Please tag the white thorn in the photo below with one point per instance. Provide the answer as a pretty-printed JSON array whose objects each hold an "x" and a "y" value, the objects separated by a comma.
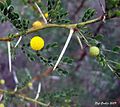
[
  {"x": 15, "y": 77},
  {"x": 17, "y": 33},
  {"x": 104, "y": 18},
  {"x": 40, "y": 11},
  {"x": 78, "y": 38},
  {"x": 9, "y": 56},
  {"x": 54, "y": 77},
  {"x": 103, "y": 8},
  {"x": 20, "y": 38},
  {"x": 84, "y": 38},
  {"x": 38, "y": 91},
  {"x": 110, "y": 67},
  {"x": 1, "y": 97},
  {"x": 64, "y": 48},
  {"x": 16, "y": 81},
  {"x": 15, "y": 90}
]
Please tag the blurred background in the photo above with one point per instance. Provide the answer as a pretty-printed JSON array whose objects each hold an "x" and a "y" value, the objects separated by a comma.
[{"x": 87, "y": 81}]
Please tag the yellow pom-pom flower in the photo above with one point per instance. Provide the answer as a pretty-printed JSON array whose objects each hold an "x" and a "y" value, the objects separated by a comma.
[
  {"x": 2, "y": 81},
  {"x": 30, "y": 84},
  {"x": 94, "y": 51},
  {"x": 2, "y": 105},
  {"x": 37, "y": 24},
  {"x": 37, "y": 43},
  {"x": 46, "y": 15}
]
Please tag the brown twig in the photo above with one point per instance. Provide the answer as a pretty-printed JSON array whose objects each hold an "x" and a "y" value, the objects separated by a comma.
[
  {"x": 78, "y": 9},
  {"x": 98, "y": 28},
  {"x": 44, "y": 74}
]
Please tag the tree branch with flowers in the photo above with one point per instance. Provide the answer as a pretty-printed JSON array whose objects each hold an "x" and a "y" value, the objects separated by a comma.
[{"x": 53, "y": 16}]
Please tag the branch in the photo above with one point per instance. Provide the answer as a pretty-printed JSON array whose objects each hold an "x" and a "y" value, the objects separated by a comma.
[
  {"x": 24, "y": 97},
  {"x": 67, "y": 26}
]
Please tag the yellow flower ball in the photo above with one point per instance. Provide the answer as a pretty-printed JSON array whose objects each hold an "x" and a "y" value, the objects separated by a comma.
[
  {"x": 46, "y": 15},
  {"x": 37, "y": 24},
  {"x": 94, "y": 51},
  {"x": 30, "y": 84},
  {"x": 2, "y": 105},
  {"x": 37, "y": 43},
  {"x": 2, "y": 81}
]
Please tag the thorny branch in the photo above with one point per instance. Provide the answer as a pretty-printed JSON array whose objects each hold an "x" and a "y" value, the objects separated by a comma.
[{"x": 67, "y": 26}]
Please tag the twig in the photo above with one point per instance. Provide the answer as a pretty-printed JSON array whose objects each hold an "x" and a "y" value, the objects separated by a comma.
[
  {"x": 67, "y": 26},
  {"x": 24, "y": 97},
  {"x": 98, "y": 28},
  {"x": 78, "y": 9}
]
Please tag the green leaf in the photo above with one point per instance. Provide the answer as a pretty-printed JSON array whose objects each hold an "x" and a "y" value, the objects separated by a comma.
[
  {"x": 15, "y": 22},
  {"x": 48, "y": 46},
  {"x": 117, "y": 66},
  {"x": 25, "y": 23},
  {"x": 43, "y": 59},
  {"x": 102, "y": 61},
  {"x": 13, "y": 16},
  {"x": 99, "y": 37},
  {"x": 116, "y": 49},
  {"x": 10, "y": 35},
  {"x": 54, "y": 45},
  {"x": 1, "y": 6},
  {"x": 67, "y": 60},
  {"x": 5, "y": 11},
  {"x": 88, "y": 14},
  {"x": 10, "y": 9},
  {"x": 8, "y": 2},
  {"x": 56, "y": 12},
  {"x": 3, "y": 19},
  {"x": 117, "y": 13},
  {"x": 110, "y": 4},
  {"x": 62, "y": 72}
]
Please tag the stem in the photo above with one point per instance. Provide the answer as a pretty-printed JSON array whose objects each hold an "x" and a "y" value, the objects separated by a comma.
[
  {"x": 67, "y": 26},
  {"x": 24, "y": 97}
]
